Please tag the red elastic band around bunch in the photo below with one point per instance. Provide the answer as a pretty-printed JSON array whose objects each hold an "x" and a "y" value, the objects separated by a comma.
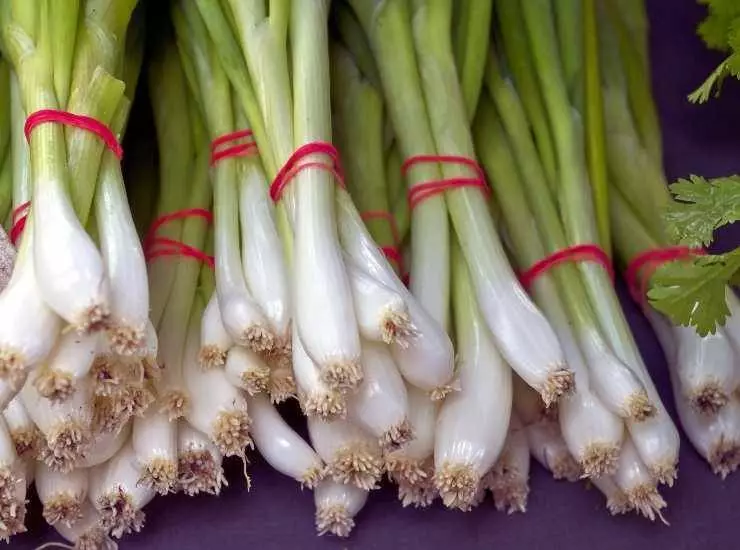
[
  {"x": 18, "y": 220},
  {"x": 160, "y": 247},
  {"x": 294, "y": 165},
  {"x": 641, "y": 267},
  {"x": 390, "y": 252},
  {"x": 419, "y": 193},
  {"x": 82, "y": 122},
  {"x": 219, "y": 152},
  {"x": 56, "y": 116},
  {"x": 577, "y": 253}
]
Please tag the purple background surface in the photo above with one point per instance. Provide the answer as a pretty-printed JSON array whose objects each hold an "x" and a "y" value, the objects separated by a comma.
[{"x": 704, "y": 512}]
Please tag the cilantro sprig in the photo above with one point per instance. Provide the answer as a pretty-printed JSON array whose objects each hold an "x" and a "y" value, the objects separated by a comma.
[
  {"x": 720, "y": 30},
  {"x": 693, "y": 293}
]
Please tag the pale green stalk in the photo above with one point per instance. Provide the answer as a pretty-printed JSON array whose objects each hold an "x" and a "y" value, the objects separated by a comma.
[
  {"x": 518, "y": 193},
  {"x": 570, "y": 26},
  {"x": 518, "y": 55},
  {"x": 168, "y": 93},
  {"x": 575, "y": 202},
  {"x": 471, "y": 34},
  {"x": 353, "y": 37},
  {"x": 66, "y": 14},
  {"x": 19, "y": 147},
  {"x": 232, "y": 60},
  {"x": 358, "y": 131},
  {"x": 99, "y": 46},
  {"x": 594, "y": 115},
  {"x": 4, "y": 108},
  {"x": 387, "y": 25},
  {"x": 631, "y": 22},
  {"x": 641, "y": 179},
  {"x": 397, "y": 193}
]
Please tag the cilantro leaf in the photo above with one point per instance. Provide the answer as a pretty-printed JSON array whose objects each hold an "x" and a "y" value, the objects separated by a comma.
[
  {"x": 701, "y": 207},
  {"x": 720, "y": 31},
  {"x": 693, "y": 293}
]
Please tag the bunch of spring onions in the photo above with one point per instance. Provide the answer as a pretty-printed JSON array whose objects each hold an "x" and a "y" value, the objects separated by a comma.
[
  {"x": 301, "y": 177},
  {"x": 703, "y": 368}
]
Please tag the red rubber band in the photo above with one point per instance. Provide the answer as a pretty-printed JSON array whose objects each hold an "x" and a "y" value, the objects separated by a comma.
[
  {"x": 18, "y": 219},
  {"x": 219, "y": 153},
  {"x": 293, "y": 166},
  {"x": 78, "y": 121},
  {"x": 577, "y": 253},
  {"x": 158, "y": 247},
  {"x": 420, "y": 192},
  {"x": 163, "y": 247},
  {"x": 641, "y": 267}
]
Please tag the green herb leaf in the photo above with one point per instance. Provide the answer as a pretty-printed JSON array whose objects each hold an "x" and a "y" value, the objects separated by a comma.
[
  {"x": 693, "y": 293},
  {"x": 701, "y": 207},
  {"x": 720, "y": 31}
]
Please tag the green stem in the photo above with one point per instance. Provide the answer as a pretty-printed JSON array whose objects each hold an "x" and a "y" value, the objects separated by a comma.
[
  {"x": 65, "y": 14},
  {"x": 521, "y": 65},
  {"x": 570, "y": 25},
  {"x": 358, "y": 125},
  {"x": 471, "y": 34},
  {"x": 631, "y": 25},
  {"x": 575, "y": 203},
  {"x": 516, "y": 172},
  {"x": 387, "y": 25},
  {"x": 354, "y": 38},
  {"x": 594, "y": 113}
]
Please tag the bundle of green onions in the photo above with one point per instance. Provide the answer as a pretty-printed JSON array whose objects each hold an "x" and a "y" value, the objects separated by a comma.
[{"x": 147, "y": 338}]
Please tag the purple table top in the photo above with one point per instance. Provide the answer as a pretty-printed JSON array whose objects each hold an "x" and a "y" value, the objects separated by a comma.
[{"x": 704, "y": 511}]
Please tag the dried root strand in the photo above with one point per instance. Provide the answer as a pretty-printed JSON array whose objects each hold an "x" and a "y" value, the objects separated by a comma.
[
  {"x": 231, "y": 433},
  {"x": 510, "y": 490},
  {"x": 312, "y": 477},
  {"x": 396, "y": 327},
  {"x": 28, "y": 442},
  {"x": 709, "y": 399},
  {"x": 342, "y": 375},
  {"x": 65, "y": 445},
  {"x": 174, "y": 403},
  {"x": 440, "y": 393},
  {"x": 646, "y": 500},
  {"x": 94, "y": 319},
  {"x": 357, "y": 465},
  {"x": 328, "y": 406},
  {"x": 159, "y": 475},
  {"x": 395, "y": 436},
  {"x": 457, "y": 485},
  {"x": 282, "y": 385},
  {"x": 560, "y": 382},
  {"x": 565, "y": 467},
  {"x": 599, "y": 459},
  {"x": 126, "y": 340},
  {"x": 259, "y": 339},
  {"x": 54, "y": 385},
  {"x": 639, "y": 407},
  {"x": 665, "y": 473},
  {"x": 335, "y": 520},
  {"x": 198, "y": 473},
  {"x": 118, "y": 514},
  {"x": 95, "y": 538},
  {"x": 12, "y": 510},
  {"x": 724, "y": 456},
  {"x": 618, "y": 504},
  {"x": 256, "y": 380},
  {"x": 211, "y": 356},
  {"x": 12, "y": 367},
  {"x": 64, "y": 508}
]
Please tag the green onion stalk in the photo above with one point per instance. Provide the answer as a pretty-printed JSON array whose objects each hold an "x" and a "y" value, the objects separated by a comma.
[
  {"x": 69, "y": 276},
  {"x": 358, "y": 127},
  {"x": 252, "y": 287},
  {"x": 592, "y": 433},
  {"x": 427, "y": 107},
  {"x": 656, "y": 438}
]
